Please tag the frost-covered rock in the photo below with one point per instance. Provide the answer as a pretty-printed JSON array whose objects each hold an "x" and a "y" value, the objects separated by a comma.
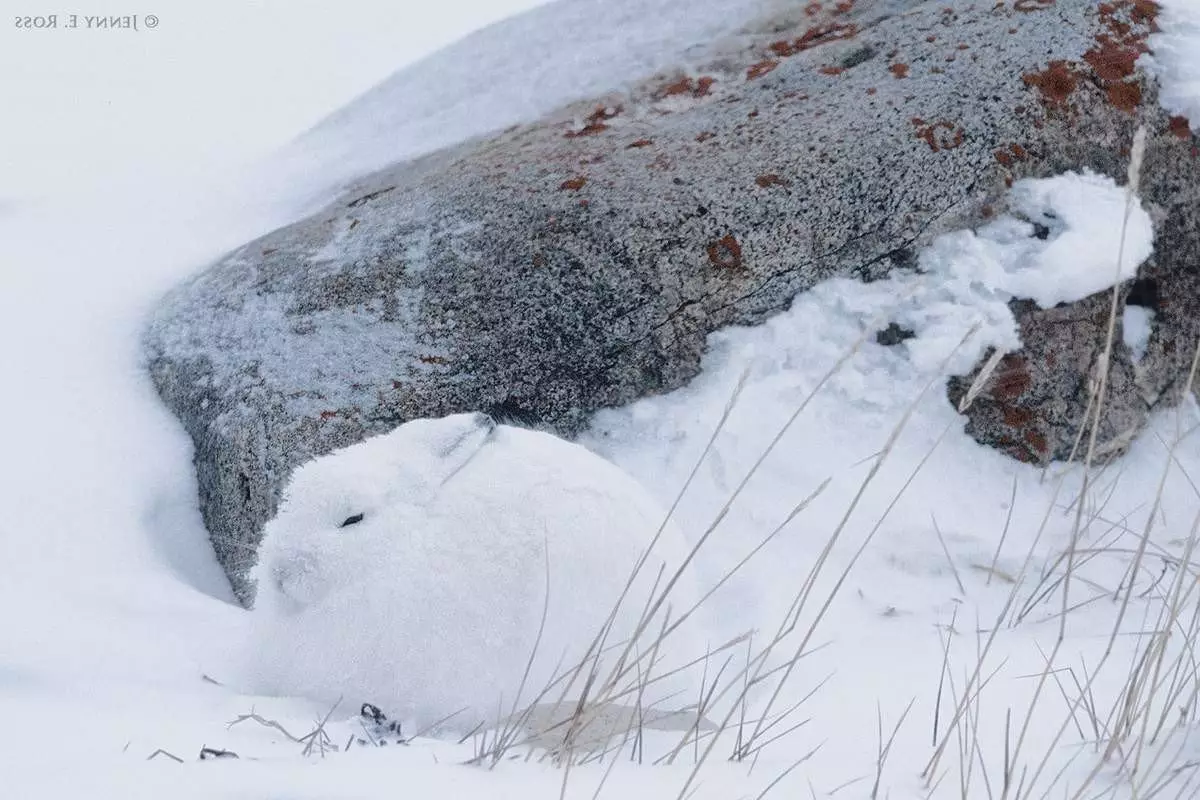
[
  {"x": 411, "y": 570},
  {"x": 581, "y": 261}
]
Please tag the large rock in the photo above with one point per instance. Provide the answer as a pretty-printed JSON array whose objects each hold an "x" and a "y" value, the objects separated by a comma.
[
  {"x": 580, "y": 261},
  {"x": 1035, "y": 403}
]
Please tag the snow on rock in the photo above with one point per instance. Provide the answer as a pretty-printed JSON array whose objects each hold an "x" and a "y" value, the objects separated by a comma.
[
  {"x": 957, "y": 306},
  {"x": 410, "y": 571},
  {"x": 1176, "y": 61},
  {"x": 1137, "y": 324},
  {"x": 1085, "y": 215},
  {"x": 532, "y": 63},
  {"x": 1058, "y": 244}
]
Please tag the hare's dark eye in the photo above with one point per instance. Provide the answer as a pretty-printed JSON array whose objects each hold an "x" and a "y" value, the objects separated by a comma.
[{"x": 357, "y": 518}]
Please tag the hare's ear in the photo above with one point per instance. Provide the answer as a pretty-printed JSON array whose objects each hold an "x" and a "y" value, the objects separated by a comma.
[{"x": 439, "y": 448}]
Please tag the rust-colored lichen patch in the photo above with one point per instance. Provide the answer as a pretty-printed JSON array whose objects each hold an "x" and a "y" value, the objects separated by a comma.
[
  {"x": 761, "y": 68},
  {"x": 1011, "y": 378},
  {"x": 814, "y": 37},
  {"x": 1056, "y": 83},
  {"x": 899, "y": 70},
  {"x": 1180, "y": 127},
  {"x": 1113, "y": 60},
  {"x": 694, "y": 87},
  {"x": 940, "y": 135},
  {"x": 1016, "y": 417},
  {"x": 725, "y": 253},
  {"x": 596, "y": 122},
  {"x": 1011, "y": 154},
  {"x": 832, "y": 70},
  {"x": 1124, "y": 96},
  {"x": 1144, "y": 12},
  {"x": 681, "y": 86},
  {"x": 573, "y": 184},
  {"x": 639, "y": 144},
  {"x": 771, "y": 179}
]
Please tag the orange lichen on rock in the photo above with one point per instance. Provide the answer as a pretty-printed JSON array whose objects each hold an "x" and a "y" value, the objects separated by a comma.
[
  {"x": 1125, "y": 96},
  {"x": 761, "y": 68},
  {"x": 725, "y": 253},
  {"x": 1011, "y": 154},
  {"x": 1011, "y": 378},
  {"x": 699, "y": 87},
  {"x": 573, "y": 184},
  {"x": 832, "y": 70},
  {"x": 1144, "y": 11},
  {"x": 899, "y": 70},
  {"x": 596, "y": 122},
  {"x": 813, "y": 37},
  {"x": 771, "y": 179},
  {"x": 1036, "y": 442},
  {"x": 1016, "y": 417},
  {"x": 1180, "y": 127},
  {"x": 1056, "y": 83},
  {"x": 639, "y": 143},
  {"x": 1113, "y": 60},
  {"x": 940, "y": 135}
]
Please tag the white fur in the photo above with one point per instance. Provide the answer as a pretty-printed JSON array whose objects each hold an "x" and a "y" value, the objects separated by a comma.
[{"x": 432, "y": 603}]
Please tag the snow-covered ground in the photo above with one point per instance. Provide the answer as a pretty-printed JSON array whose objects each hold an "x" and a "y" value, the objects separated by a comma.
[{"x": 117, "y": 626}]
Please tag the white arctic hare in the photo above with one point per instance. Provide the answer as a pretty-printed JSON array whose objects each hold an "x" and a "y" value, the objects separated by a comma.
[{"x": 410, "y": 570}]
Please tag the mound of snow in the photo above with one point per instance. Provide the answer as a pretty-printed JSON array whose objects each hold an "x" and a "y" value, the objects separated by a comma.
[
  {"x": 410, "y": 570},
  {"x": 1176, "y": 59}
]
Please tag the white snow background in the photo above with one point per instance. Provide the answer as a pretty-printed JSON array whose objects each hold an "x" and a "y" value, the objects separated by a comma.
[{"x": 114, "y": 609}]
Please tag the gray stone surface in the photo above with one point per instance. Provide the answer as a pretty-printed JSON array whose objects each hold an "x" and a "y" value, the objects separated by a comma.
[{"x": 580, "y": 261}]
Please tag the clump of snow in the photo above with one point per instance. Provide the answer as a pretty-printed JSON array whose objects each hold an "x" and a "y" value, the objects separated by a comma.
[
  {"x": 1176, "y": 58},
  {"x": 1059, "y": 245},
  {"x": 1136, "y": 325},
  {"x": 1085, "y": 214},
  {"x": 411, "y": 570}
]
